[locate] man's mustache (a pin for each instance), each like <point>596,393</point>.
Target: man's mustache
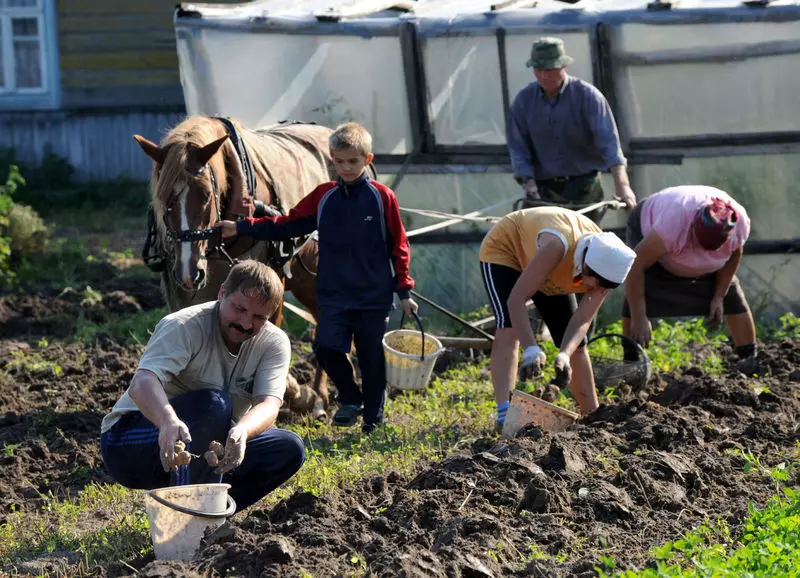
<point>241,329</point>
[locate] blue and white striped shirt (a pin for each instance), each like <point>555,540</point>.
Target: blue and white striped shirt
<point>572,135</point>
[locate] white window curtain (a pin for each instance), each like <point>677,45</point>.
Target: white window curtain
<point>22,63</point>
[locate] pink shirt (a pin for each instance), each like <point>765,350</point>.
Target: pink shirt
<point>670,213</point>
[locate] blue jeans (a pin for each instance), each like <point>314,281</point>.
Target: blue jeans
<point>131,453</point>
<point>365,328</point>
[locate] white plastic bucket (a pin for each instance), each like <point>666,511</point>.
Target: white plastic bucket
<point>527,409</point>
<point>407,369</point>
<point>180,515</point>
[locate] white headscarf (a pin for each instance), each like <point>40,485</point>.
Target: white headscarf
<point>608,256</point>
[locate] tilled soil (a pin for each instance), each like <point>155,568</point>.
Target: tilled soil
<point>631,476</point>
<point>54,395</point>
<point>634,474</point>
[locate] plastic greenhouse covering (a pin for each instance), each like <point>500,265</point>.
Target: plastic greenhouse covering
<point>706,83</point>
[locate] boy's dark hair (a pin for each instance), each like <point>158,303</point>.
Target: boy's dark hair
<point>255,279</point>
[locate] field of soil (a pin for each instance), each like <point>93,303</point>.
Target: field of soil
<point>635,474</point>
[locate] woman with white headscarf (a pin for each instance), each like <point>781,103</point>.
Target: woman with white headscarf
<point>548,254</point>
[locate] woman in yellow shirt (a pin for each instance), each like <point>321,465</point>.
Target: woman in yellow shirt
<point>549,254</point>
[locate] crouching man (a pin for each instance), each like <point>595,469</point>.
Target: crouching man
<point>210,372</point>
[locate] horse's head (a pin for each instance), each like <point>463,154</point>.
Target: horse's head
<point>188,185</point>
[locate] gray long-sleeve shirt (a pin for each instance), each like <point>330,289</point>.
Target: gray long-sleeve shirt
<point>573,135</point>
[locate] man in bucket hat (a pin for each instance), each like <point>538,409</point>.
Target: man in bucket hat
<point>561,135</point>
<point>689,241</point>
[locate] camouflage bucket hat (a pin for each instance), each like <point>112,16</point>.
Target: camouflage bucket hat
<point>549,53</point>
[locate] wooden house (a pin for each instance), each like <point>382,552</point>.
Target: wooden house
<point>79,77</point>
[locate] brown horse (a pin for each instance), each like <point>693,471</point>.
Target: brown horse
<point>199,177</point>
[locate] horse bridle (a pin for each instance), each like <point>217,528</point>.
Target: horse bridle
<point>156,262</point>
<point>196,235</point>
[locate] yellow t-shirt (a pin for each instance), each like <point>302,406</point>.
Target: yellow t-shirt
<point>514,240</point>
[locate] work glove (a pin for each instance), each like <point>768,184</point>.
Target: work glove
<point>533,359</point>
<point>563,370</point>
<point>234,451</point>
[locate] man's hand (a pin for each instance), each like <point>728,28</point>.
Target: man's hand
<point>640,330</point>
<point>531,190</point>
<point>228,228</point>
<point>409,307</point>
<point>563,370</point>
<point>715,314</point>
<point>168,434</point>
<point>234,450</point>
<point>625,194</point>
<point>533,359</point>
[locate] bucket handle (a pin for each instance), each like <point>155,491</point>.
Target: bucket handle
<point>632,342</point>
<point>421,330</point>
<point>229,511</point>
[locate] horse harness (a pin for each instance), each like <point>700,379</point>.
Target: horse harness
<point>280,253</point>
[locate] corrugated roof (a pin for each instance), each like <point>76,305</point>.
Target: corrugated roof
<point>354,9</point>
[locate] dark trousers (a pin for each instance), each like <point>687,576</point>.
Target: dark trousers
<point>131,453</point>
<point>337,329</point>
<point>584,189</point>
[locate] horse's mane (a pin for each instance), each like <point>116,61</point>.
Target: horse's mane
<point>195,131</point>
<point>278,147</point>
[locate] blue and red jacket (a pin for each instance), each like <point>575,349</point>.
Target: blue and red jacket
<point>361,237</point>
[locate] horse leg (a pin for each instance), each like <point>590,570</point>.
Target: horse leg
<point>301,285</point>
<point>308,300</point>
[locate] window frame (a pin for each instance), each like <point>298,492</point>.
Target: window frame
<point>46,96</point>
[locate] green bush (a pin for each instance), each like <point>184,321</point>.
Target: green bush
<point>26,230</point>
<point>51,188</point>
<point>13,181</point>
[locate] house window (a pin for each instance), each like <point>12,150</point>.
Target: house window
<point>23,66</point>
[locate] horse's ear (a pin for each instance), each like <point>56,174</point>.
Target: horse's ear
<point>203,155</point>
<point>151,149</point>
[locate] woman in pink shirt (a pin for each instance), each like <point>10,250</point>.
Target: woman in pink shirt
<point>689,242</point>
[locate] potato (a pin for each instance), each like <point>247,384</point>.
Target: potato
<point>211,458</point>
<point>217,448</point>
<point>411,344</point>
<point>183,458</point>
<point>179,447</point>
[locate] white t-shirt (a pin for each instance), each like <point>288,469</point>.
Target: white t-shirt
<point>186,352</point>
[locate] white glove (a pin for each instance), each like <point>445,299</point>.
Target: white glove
<point>563,370</point>
<point>533,359</point>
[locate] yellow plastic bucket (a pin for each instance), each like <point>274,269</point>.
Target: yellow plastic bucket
<point>410,357</point>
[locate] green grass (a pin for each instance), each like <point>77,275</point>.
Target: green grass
<point>32,361</point>
<point>135,328</point>
<point>667,352</point>
<point>769,546</point>
<point>787,328</point>
<point>421,426</point>
<point>104,524</point>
